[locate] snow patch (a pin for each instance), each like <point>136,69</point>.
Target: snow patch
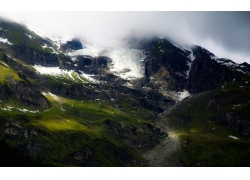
<point>48,70</point>
<point>129,84</point>
<point>4,64</point>
<point>26,110</point>
<point>44,46</point>
<point>54,51</point>
<point>178,95</point>
<point>240,70</point>
<point>231,64</point>
<point>183,95</point>
<point>5,41</point>
<point>29,36</point>
<point>9,108</point>
<point>88,77</point>
<point>58,41</point>
<point>237,105</point>
<point>191,57</point>
<point>56,71</point>
<point>52,95</point>
<point>234,137</point>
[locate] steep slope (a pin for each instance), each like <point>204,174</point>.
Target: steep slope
<point>213,122</point>
<point>211,73</point>
<point>215,126</point>
<point>89,121</point>
<point>14,86</point>
<point>214,119</point>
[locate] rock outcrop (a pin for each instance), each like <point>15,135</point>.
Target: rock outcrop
<point>74,44</point>
<point>236,122</point>
<point>205,73</point>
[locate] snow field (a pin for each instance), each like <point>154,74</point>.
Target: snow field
<point>122,60</point>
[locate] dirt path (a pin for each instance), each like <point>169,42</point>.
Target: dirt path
<point>166,153</point>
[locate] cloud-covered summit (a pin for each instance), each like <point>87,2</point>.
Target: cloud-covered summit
<point>226,34</point>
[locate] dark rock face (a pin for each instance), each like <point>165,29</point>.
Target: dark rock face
<point>151,100</point>
<point>32,56</point>
<point>4,35</point>
<point>246,67</point>
<point>144,137</point>
<point>92,65</point>
<point>213,104</point>
<point>22,70</point>
<point>24,93</point>
<point>83,157</point>
<point>83,61</point>
<point>206,74</point>
<point>78,92</point>
<point>111,78</point>
<point>142,82</point>
<point>74,44</point>
<point>236,122</point>
<point>13,157</point>
<point>167,64</point>
<point>89,155</point>
<point>83,153</point>
<point>15,130</point>
<point>185,118</point>
<point>4,92</point>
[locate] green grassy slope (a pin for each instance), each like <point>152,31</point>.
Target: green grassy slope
<point>55,136</point>
<point>19,34</point>
<point>208,141</point>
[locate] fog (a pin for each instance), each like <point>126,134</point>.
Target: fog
<point>226,34</point>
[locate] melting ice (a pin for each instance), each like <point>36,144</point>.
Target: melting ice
<point>126,63</point>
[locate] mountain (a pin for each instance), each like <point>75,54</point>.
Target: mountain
<point>66,103</point>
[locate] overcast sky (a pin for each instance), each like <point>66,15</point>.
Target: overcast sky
<point>226,34</point>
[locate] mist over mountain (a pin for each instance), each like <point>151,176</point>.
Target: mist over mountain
<point>226,34</point>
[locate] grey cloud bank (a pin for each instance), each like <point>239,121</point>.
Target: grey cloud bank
<point>226,34</point>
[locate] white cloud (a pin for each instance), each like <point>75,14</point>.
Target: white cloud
<point>224,34</point>
<point>218,50</point>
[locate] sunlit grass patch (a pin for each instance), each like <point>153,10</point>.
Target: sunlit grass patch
<point>7,72</point>
<point>59,123</point>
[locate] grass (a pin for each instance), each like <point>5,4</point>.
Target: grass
<point>7,72</point>
<point>17,34</point>
<point>208,139</point>
<point>71,124</point>
<point>59,123</point>
<point>68,123</point>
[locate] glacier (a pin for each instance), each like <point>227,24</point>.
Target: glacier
<point>126,63</point>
